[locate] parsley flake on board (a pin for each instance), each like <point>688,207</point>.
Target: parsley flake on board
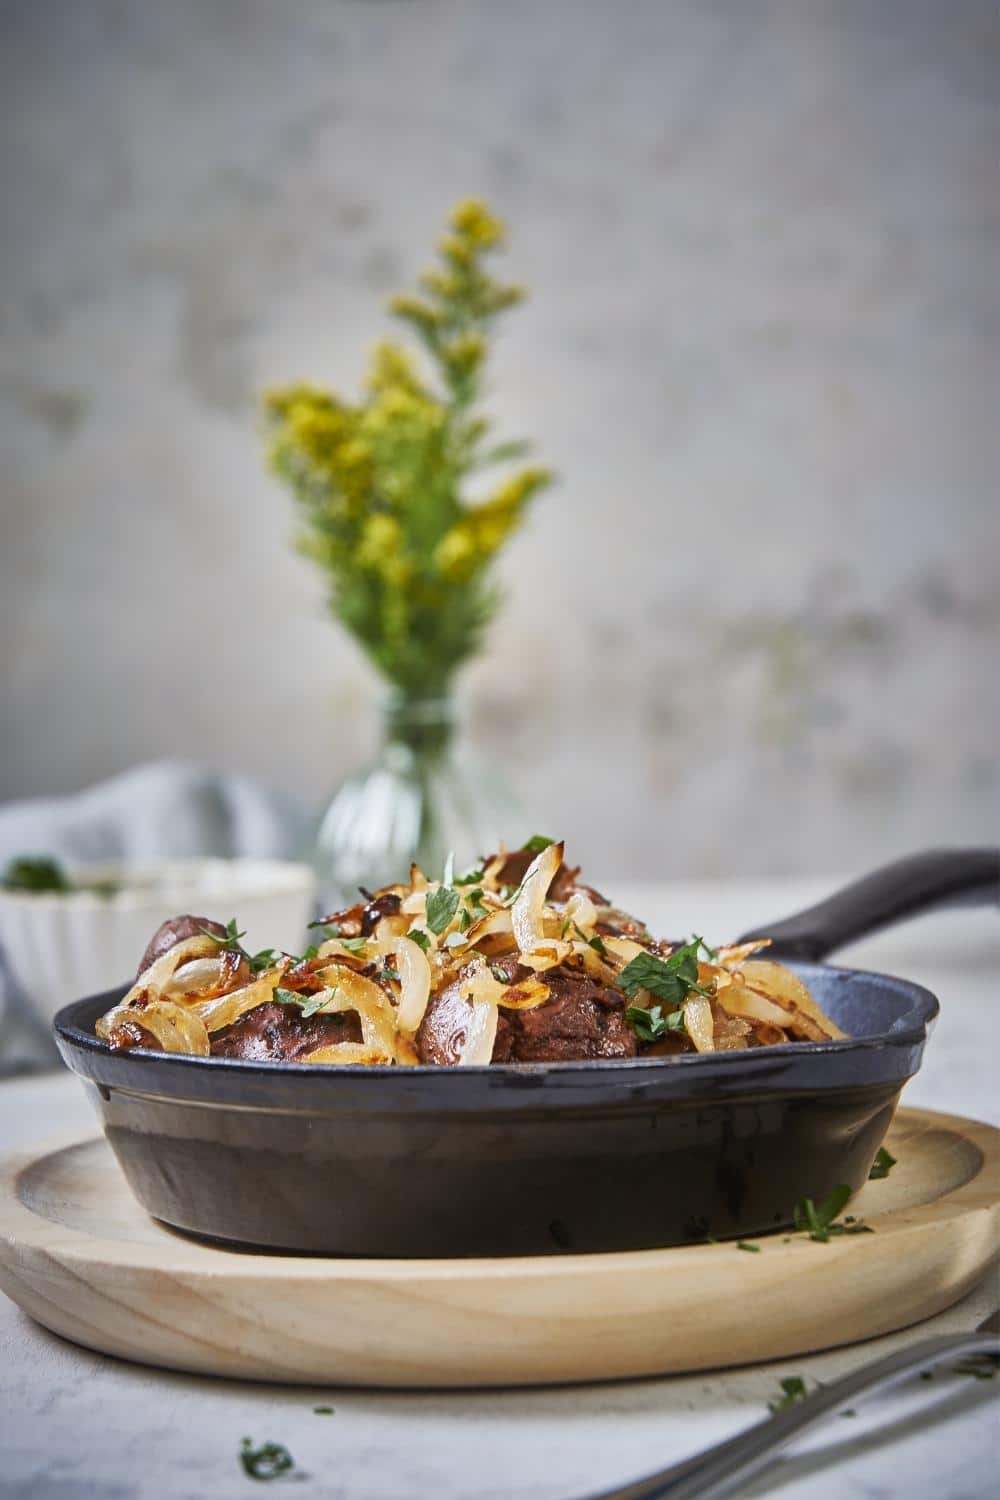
<point>670,979</point>
<point>652,1024</point>
<point>308,1004</point>
<point>442,905</point>
<point>793,1389</point>
<point>820,1219</point>
<point>269,1461</point>
<point>882,1165</point>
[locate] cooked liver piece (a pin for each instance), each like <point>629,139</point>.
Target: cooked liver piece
<point>174,931</point>
<point>278,1033</point>
<point>581,1020</point>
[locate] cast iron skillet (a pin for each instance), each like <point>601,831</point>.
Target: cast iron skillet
<point>535,1158</point>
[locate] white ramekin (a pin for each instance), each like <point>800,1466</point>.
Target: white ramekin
<point>61,947</point>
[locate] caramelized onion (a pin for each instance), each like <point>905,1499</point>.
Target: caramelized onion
<point>414,984</point>
<point>526,912</point>
<point>175,1027</point>
<point>480,1034</point>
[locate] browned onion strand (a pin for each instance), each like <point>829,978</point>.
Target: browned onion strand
<point>501,948</point>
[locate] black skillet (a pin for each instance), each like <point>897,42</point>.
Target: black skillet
<point>535,1158</point>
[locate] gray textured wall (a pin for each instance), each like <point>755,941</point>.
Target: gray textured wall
<point>757,624</point>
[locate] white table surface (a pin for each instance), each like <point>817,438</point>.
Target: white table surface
<point>76,1425</point>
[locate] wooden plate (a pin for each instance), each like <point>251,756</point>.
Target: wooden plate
<point>78,1254</point>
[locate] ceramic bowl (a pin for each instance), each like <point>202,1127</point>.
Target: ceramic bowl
<point>62,945</point>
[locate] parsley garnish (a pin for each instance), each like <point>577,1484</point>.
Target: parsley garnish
<point>537,843</point>
<point>747,1245</point>
<point>649,1025</point>
<point>471,877</point>
<point>391,974</point>
<point>596,943</point>
<point>354,944</point>
<point>464,919</point>
<point>442,905</point>
<point>794,1388</point>
<point>36,873</point>
<point>499,974</point>
<point>308,1004</point>
<point>820,1220</point>
<point>670,979</point>
<point>310,952</point>
<point>882,1165</point>
<point>266,1462</point>
<point>265,959</point>
<point>420,938</point>
<point>229,939</point>
<point>323,1411</point>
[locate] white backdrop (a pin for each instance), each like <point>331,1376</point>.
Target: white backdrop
<point>756,626</point>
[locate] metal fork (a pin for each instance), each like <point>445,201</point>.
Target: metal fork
<point>715,1471</point>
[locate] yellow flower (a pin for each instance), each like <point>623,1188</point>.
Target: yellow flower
<point>379,539</point>
<point>473,221</point>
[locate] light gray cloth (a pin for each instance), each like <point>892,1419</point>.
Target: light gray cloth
<point>166,809</point>
<point>163,810</point>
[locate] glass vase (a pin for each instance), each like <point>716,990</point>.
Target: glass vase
<point>425,796</point>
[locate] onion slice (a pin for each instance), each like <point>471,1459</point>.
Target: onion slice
<point>698,1022</point>
<point>226,1009</point>
<point>175,1027</point>
<point>480,1034</point>
<point>526,912</point>
<point>414,982</point>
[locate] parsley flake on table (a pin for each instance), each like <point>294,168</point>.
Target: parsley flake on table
<point>882,1165</point>
<point>748,1245</point>
<point>821,1219</point>
<point>269,1461</point>
<point>442,905</point>
<point>793,1389</point>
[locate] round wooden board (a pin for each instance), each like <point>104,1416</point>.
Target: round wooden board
<point>78,1254</point>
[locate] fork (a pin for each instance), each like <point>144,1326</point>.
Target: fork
<point>717,1469</point>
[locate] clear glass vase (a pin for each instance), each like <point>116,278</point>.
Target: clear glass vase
<point>425,796</point>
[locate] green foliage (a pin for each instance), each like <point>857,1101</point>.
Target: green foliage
<point>382,483</point>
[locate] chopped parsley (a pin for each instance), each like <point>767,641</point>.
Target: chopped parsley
<point>230,938</point>
<point>416,935</point>
<point>499,974</point>
<point>537,843</point>
<point>36,873</point>
<point>308,1004</point>
<point>821,1219</point>
<point>596,943</point>
<point>793,1389</point>
<point>442,905</point>
<point>670,979</point>
<point>471,877</point>
<point>652,1024</point>
<point>269,1461</point>
<point>391,974</point>
<point>354,944</point>
<point>323,1411</point>
<point>882,1165</point>
<point>748,1245</point>
<point>266,959</point>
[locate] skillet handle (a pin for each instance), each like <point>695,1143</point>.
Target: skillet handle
<point>919,883</point>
